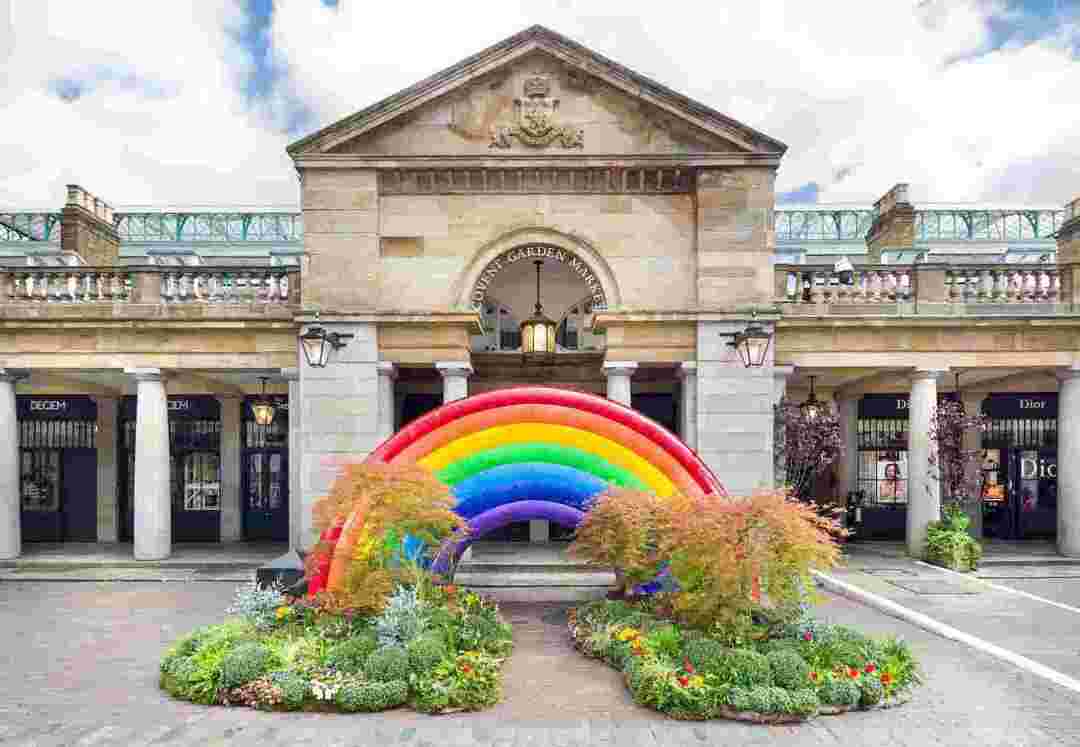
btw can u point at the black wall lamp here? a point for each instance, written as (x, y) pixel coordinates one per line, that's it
(317, 344)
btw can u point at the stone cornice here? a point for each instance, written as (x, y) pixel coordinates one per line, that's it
(534, 161)
(183, 315)
(465, 318)
(574, 55)
(924, 321)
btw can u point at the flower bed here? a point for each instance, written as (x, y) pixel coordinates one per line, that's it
(786, 674)
(434, 648)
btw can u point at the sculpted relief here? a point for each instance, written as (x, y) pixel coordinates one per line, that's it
(536, 124)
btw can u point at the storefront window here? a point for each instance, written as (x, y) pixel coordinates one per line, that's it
(40, 480)
(883, 469)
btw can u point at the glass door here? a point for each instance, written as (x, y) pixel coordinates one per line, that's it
(266, 495)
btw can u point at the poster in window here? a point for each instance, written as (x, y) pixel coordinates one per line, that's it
(892, 478)
(993, 488)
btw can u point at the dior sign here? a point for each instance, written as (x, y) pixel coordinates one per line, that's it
(532, 252)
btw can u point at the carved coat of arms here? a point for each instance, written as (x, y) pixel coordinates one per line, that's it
(536, 124)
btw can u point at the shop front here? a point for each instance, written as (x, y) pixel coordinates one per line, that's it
(195, 467)
(58, 468)
(1019, 470)
(882, 484)
(265, 472)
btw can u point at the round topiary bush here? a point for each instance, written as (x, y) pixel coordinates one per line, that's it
(804, 702)
(705, 654)
(245, 663)
(351, 655)
(871, 691)
(840, 692)
(745, 668)
(294, 688)
(371, 696)
(387, 665)
(789, 670)
(425, 653)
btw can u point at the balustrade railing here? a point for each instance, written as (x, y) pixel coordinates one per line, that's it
(169, 285)
(930, 285)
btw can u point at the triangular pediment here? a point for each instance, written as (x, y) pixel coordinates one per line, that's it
(537, 93)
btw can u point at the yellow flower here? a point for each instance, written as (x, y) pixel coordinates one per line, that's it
(627, 634)
(283, 612)
(697, 681)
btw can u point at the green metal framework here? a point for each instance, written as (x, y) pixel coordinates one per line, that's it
(19, 227)
(228, 227)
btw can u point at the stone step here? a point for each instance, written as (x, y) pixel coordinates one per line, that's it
(537, 585)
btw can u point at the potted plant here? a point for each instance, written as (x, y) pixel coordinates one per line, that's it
(948, 542)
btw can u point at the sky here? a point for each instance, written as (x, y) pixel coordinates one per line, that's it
(187, 104)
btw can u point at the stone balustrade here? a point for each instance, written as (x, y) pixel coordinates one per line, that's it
(924, 287)
(167, 285)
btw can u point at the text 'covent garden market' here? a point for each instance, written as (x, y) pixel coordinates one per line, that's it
(171, 376)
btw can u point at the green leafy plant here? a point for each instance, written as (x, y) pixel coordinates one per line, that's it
(352, 654)
(425, 653)
(258, 606)
(745, 668)
(789, 670)
(371, 696)
(245, 663)
(666, 641)
(948, 542)
(387, 664)
(706, 655)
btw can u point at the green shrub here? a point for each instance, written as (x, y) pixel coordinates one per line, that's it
(705, 654)
(371, 696)
(387, 665)
(840, 692)
(245, 663)
(256, 605)
(761, 699)
(198, 677)
(804, 702)
(789, 670)
(744, 667)
(871, 691)
(425, 653)
(666, 641)
(294, 688)
(351, 655)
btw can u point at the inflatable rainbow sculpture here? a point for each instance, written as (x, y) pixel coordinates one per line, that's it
(533, 453)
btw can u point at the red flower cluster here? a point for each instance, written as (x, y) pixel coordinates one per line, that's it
(808, 636)
(853, 673)
(683, 680)
(688, 666)
(870, 668)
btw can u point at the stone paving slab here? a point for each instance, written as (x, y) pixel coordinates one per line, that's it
(79, 666)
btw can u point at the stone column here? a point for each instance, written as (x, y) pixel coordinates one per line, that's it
(924, 492)
(455, 379)
(847, 468)
(10, 489)
(292, 375)
(618, 380)
(973, 442)
(1068, 463)
(387, 374)
(780, 379)
(108, 508)
(232, 515)
(153, 504)
(687, 373)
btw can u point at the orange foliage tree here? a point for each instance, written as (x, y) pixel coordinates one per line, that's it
(379, 505)
(729, 556)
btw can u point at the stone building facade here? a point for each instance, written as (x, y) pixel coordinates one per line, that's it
(422, 219)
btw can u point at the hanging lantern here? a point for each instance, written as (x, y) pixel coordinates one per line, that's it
(811, 408)
(263, 409)
(538, 331)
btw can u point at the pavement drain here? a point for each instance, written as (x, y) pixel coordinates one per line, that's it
(932, 587)
(889, 572)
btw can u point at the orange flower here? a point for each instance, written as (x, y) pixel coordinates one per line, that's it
(886, 679)
(465, 668)
(853, 673)
(451, 589)
(813, 676)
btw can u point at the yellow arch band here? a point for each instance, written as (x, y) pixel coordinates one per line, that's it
(563, 435)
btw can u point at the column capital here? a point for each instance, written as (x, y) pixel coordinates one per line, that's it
(13, 375)
(453, 369)
(625, 367)
(144, 374)
(687, 370)
(390, 369)
(923, 374)
(291, 374)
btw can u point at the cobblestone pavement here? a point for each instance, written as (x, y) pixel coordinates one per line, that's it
(79, 667)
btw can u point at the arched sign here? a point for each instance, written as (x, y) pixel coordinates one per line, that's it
(537, 251)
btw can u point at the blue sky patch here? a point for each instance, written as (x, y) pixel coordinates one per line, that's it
(79, 83)
(806, 193)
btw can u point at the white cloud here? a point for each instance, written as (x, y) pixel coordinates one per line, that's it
(858, 90)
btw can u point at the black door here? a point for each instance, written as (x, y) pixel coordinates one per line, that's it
(1033, 484)
(196, 496)
(78, 494)
(266, 494)
(40, 482)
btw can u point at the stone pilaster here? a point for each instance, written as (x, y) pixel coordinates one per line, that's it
(153, 504)
(455, 376)
(10, 489)
(108, 507)
(734, 219)
(924, 491)
(972, 441)
(618, 380)
(232, 514)
(736, 423)
(1068, 463)
(387, 407)
(688, 388)
(893, 228)
(339, 414)
(847, 468)
(296, 443)
(1068, 254)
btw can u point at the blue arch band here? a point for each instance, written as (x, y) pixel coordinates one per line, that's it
(528, 481)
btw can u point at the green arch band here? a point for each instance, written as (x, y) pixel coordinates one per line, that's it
(568, 456)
